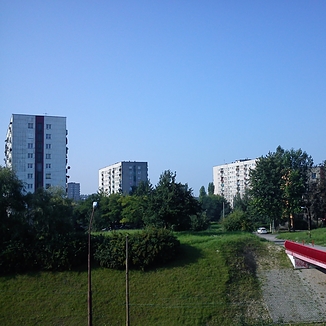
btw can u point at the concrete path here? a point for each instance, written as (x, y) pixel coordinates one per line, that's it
(294, 296)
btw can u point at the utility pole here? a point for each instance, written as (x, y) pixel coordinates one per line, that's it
(89, 297)
(127, 284)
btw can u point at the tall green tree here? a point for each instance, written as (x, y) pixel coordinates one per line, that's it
(278, 183)
(297, 166)
(12, 205)
(202, 192)
(49, 212)
(171, 204)
(213, 205)
(211, 188)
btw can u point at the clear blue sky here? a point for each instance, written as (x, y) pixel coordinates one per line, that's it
(183, 85)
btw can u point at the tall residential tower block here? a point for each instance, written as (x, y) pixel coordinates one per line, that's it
(122, 177)
(36, 149)
(232, 178)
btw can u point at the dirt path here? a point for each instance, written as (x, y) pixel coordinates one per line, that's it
(292, 296)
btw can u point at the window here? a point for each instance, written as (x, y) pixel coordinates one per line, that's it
(47, 186)
(48, 176)
(30, 125)
(48, 136)
(30, 165)
(48, 126)
(48, 165)
(30, 145)
(30, 186)
(30, 176)
(48, 146)
(48, 156)
(30, 155)
(313, 175)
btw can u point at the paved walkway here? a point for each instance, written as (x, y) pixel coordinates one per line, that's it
(294, 296)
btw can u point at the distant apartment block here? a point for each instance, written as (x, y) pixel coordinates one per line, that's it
(121, 177)
(36, 149)
(73, 191)
(232, 178)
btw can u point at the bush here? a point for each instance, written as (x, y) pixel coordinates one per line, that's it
(237, 221)
(199, 222)
(60, 252)
(147, 248)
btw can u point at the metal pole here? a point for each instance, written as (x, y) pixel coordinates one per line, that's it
(309, 221)
(89, 297)
(127, 284)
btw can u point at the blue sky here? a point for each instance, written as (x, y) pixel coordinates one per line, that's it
(183, 85)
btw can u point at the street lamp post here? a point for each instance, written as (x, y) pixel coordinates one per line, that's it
(308, 219)
(89, 298)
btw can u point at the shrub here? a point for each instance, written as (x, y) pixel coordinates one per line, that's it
(199, 222)
(147, 248)
(60, 252)
(237, 221)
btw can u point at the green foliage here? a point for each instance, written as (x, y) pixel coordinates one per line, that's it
(199, 222)
(171, 204)
(237, 221)
(133, 210)
(12, 206)
(278, 183)
(60, 252)
(146, 249)
(210, 188)
(212, 205)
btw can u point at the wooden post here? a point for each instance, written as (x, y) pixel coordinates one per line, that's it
(89, 296)
(127, 284)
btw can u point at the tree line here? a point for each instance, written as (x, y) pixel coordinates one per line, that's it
(45, 230)
(284, 190)
(47, 222)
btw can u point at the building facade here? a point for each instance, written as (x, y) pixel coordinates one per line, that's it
(122, 177)
(232, 178)
(73, 191)
(36, 149)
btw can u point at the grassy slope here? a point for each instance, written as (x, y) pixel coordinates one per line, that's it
(211, 283)
(317, 235)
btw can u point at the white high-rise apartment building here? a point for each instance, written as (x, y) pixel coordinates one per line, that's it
(36, 149)
(232, 178)
(121, 177)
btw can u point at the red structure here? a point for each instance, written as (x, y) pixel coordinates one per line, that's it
(303, 255)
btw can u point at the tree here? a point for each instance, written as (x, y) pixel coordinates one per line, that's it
(133, 210)
(211, 188)
(213, 206)
(12, 205)
(143, 189)
(202, 192)
(171, 204)
(49, 212)
(278, 183)
(297, 165)
(241, 202)
(315, 198)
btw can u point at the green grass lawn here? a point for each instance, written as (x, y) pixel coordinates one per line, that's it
(318, 236)
(212, 282)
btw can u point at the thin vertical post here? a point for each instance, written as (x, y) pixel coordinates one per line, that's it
(89, 296)
(127, 284)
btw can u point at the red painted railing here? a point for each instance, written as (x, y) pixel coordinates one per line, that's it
(308, 254)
